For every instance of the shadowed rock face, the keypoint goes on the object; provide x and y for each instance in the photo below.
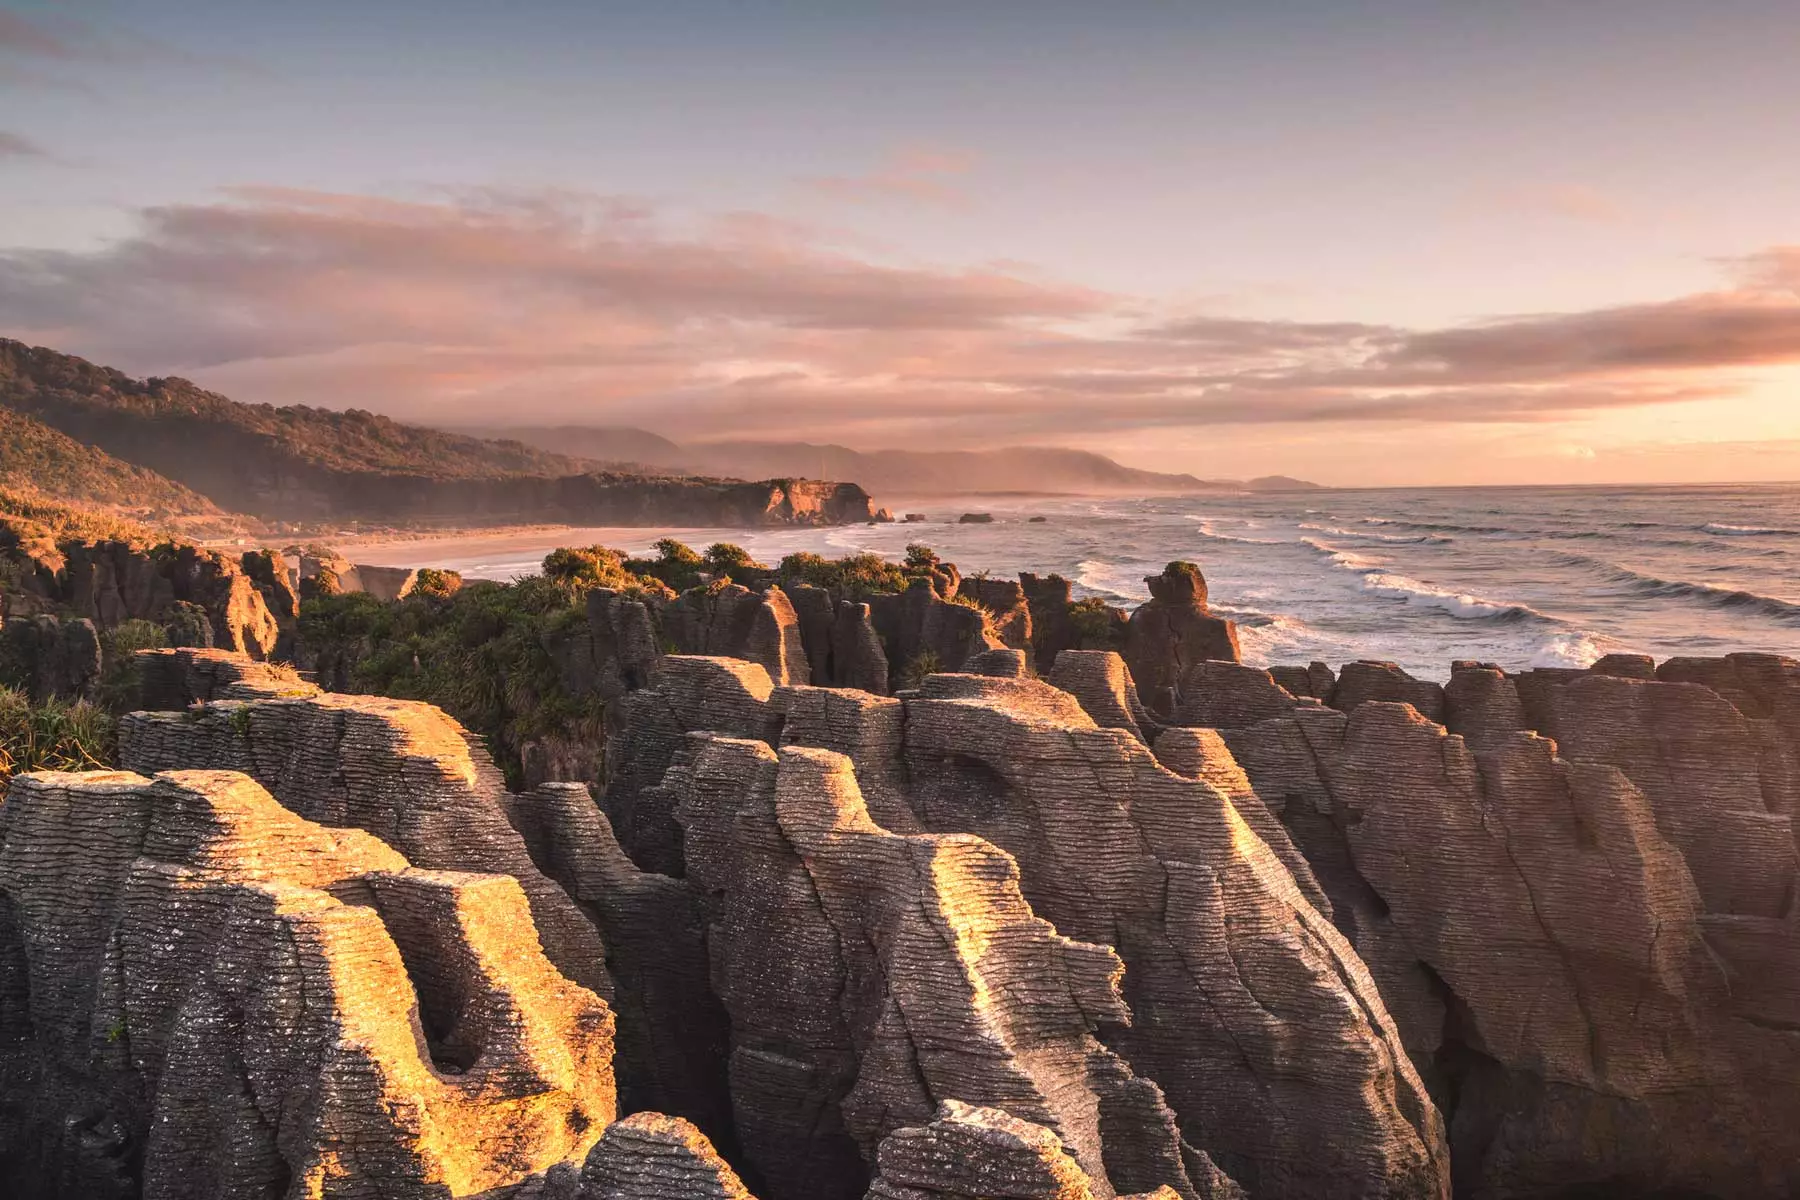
(1262, 1028)
(871, 975)
(1597, 1000)
(731, 621)
(924, 631)
(971, 1153)
(649, 1156)
(210, 998)
(1172, 632)
(673, 1034)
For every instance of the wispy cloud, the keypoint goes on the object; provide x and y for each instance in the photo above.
(32, 39)
(912, 175)
(565, 306)
(45, 52)
(13, 145)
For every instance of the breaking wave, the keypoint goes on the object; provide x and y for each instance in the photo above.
(1712, 595)
(1401, 539)
(1747, 530)
(1208, 530)
(1126, 583)
(1464, 606)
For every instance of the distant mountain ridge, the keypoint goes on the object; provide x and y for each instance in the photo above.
(302, 464)
(1004, 469)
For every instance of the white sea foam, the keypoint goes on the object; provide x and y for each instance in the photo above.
(1572, 649)
(1461, 605)
(1746, 530)
(1127, 583)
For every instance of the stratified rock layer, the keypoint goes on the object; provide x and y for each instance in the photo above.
(1588, 943)
(1258, 1021)
(871, 975)
(210, 998)
(973, 1153)
(402, 770)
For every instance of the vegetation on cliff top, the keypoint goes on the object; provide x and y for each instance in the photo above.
(501, 657)
(52, 735)
(38, 460)
(71, 394)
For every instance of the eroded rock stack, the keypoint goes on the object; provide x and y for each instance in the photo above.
(872, 975)
(990, 937)
(1583, 937)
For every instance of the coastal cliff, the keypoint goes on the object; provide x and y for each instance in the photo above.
(300, 464)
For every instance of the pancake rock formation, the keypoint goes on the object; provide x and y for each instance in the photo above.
(1588, 939)
(872, 975)
(206, 997)
(1243, 1005)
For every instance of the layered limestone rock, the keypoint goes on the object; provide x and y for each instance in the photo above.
(650, 1156)
(692, 693)
(112, 582)
(1099, 680)
(399, 769)
(1259, 1024)
(173, 680)
(871, 975)
(1240, 979)
(1363, 681)
(731, 621)
(1534, 924)
(207, 997)
(1173, 631)
(924, 632)
(972, 1153)
(1004, 599)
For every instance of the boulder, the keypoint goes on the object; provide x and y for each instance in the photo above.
(649, 1156)
(971, 1153)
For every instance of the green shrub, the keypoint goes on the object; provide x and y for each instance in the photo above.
(436, 584)
(675, 564)
(1094, 620)
(920, 557)
(854, 577)
(55, 735)
(729, 561)
(924, 663)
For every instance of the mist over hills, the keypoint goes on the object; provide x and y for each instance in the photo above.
(83, 433)
(885, 472)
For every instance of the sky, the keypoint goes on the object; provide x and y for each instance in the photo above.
(1367, 242)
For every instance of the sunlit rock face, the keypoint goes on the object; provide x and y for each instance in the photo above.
(207, 997)
(1242, 1004)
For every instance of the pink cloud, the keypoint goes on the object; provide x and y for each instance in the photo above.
(491, 308)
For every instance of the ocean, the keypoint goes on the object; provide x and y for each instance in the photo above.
(1545, 576)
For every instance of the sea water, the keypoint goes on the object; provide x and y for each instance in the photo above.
(1516, 576)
